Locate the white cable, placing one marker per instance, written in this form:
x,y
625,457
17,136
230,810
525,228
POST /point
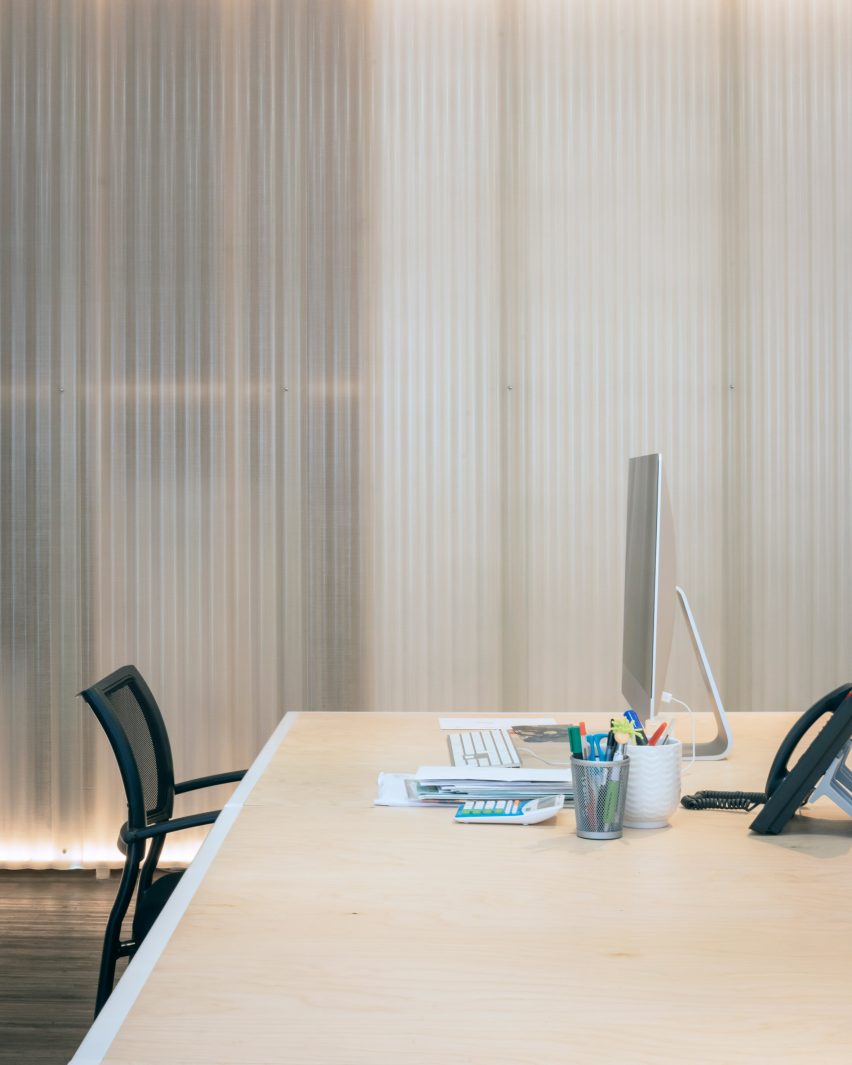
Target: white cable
x,y
667,697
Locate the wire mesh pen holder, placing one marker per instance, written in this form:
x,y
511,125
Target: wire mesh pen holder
x,y
600,789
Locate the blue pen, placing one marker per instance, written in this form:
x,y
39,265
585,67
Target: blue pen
x,y
639,731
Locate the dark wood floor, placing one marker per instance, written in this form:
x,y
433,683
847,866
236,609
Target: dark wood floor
x,y
51,926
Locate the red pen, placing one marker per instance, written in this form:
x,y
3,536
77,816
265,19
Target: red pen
x,y
658,735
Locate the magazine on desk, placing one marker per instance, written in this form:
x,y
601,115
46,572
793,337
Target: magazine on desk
x,y
542,746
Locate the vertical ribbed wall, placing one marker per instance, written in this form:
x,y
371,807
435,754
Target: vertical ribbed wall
x,y
789,610
613,334
327,329
436,376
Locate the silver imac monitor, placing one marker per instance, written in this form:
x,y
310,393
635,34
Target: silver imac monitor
x,y
650,591
649,586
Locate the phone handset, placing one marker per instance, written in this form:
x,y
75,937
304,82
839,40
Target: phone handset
x,y
788,789
778,771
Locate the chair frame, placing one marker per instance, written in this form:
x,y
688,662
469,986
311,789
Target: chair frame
x,y
143,830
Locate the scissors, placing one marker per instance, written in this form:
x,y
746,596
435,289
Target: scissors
x,y
597,746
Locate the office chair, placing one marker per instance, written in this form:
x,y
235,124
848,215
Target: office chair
x,y
129,714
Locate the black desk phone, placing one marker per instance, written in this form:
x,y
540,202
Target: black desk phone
x,y
788,789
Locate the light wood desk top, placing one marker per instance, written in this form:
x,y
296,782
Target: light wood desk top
x,y
331,931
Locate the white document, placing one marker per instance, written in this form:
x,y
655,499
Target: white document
x,y
392,791
446,784
492,722
510,776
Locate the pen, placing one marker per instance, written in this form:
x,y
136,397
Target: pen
x,y
611,744
638,730
660,735
610,803
584,745
622,730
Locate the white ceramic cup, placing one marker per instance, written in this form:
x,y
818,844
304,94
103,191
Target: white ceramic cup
x,y
653,790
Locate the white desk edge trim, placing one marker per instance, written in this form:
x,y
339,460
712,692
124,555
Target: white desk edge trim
x,y
100,1036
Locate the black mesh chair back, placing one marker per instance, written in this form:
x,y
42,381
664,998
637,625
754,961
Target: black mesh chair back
x,y
129,714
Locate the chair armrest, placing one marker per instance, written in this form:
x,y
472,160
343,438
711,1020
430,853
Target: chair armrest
x,y
162,828
209,782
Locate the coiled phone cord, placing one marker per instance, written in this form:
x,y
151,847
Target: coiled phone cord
x,y
723,800
714,800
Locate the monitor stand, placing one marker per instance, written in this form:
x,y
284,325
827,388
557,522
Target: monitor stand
x,y
721,746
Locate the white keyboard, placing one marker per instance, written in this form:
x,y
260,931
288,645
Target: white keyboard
x,y
488,747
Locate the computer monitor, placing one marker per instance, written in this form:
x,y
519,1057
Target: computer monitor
x,y
649,586
650,591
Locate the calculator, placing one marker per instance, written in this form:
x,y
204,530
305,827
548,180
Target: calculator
x,y
509,811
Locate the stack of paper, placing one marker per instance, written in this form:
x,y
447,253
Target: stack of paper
x,y
439,785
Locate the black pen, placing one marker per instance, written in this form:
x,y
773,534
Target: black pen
x,y
610,746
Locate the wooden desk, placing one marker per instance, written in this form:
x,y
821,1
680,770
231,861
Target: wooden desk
x,y
328,930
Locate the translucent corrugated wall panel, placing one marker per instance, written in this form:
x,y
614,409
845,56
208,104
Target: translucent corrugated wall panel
x,y
327,330
437,616
614,199
789,611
